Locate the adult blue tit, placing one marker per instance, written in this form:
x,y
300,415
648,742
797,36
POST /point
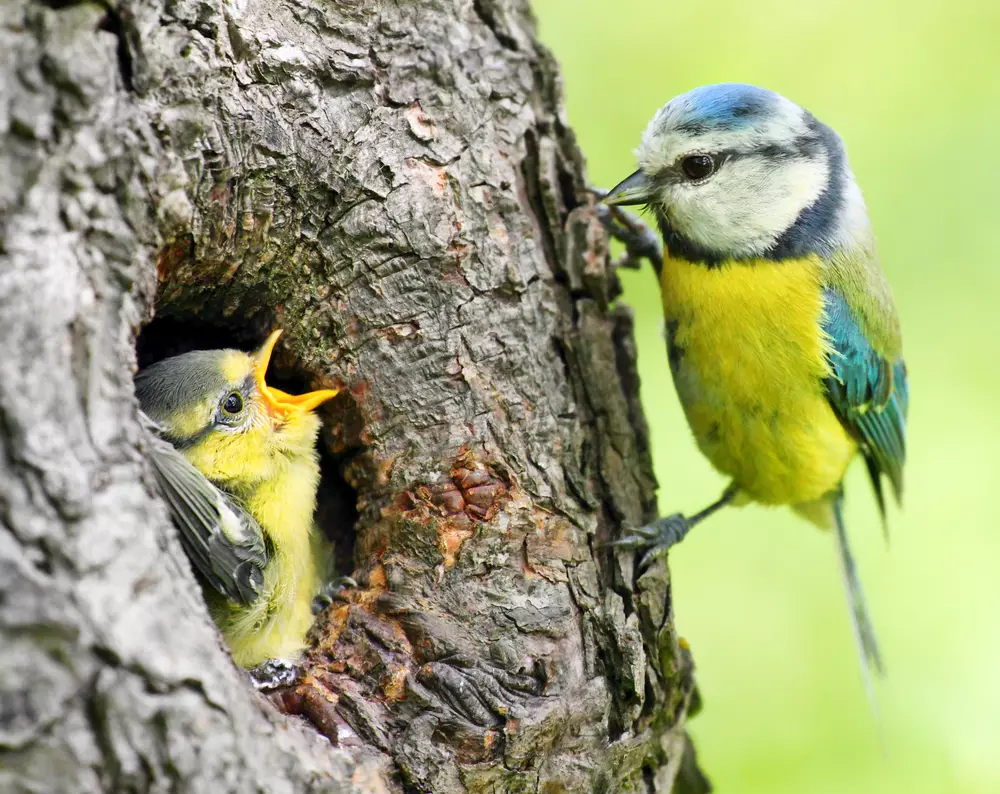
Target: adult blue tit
x,y
783,339
237,464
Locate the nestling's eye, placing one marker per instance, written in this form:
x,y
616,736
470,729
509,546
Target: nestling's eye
x,y
233,404
698,166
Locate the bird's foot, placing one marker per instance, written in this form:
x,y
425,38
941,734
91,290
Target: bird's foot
x,y
332,591
655,538
640,241
274,674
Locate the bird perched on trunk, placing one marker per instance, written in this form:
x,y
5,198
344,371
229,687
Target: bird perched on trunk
x,y
782,335
236,461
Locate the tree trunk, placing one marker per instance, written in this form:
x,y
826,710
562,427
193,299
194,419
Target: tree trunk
x,y
393,184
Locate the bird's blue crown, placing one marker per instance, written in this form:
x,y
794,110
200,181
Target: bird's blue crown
x,y
723,106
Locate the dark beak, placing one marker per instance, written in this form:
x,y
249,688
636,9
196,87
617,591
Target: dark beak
x,y
634,189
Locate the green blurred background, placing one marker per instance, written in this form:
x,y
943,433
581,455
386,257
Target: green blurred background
x,y
914,89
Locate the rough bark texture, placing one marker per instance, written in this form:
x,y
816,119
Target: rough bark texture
x,y
392,183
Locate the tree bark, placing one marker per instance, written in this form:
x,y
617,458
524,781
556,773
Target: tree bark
x,y
393,184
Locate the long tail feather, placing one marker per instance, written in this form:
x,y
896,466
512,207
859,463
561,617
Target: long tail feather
x,y
876,477
864,633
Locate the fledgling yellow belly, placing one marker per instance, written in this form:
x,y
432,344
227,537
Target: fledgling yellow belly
x,y
748,358
275,625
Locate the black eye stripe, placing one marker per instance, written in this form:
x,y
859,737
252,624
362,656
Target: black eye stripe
x,y
799,148
676,172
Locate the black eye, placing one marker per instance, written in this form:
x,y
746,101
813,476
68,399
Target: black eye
x,y
698,166
233,404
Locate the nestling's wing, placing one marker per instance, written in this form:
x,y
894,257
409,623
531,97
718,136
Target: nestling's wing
x,y
222,540
868,393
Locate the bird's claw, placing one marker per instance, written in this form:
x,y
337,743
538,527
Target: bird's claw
x,y
638,538
640,241
274,674
655,538
332,591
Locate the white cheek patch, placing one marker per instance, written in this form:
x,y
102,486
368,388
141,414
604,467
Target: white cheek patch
x,y
748,204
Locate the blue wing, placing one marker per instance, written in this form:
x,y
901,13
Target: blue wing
x,y
869,394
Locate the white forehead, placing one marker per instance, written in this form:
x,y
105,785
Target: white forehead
x,y
703,121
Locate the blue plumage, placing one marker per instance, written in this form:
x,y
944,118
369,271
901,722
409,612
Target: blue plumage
x,y
724,106
869,394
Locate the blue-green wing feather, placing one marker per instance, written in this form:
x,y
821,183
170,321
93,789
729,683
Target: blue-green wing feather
x,y
869,394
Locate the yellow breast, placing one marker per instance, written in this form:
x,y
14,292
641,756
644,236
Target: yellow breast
x,y
749,358
275,476
275,625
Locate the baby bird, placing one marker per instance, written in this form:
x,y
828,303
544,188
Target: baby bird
x,y
237,464
783,339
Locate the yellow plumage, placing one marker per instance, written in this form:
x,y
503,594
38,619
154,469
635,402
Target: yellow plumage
x,y
749,360
276,483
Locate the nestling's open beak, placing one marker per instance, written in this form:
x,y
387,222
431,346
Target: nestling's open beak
x,y
634,189
275,400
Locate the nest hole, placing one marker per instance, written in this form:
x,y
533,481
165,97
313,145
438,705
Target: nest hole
x,y
337,507
164,337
